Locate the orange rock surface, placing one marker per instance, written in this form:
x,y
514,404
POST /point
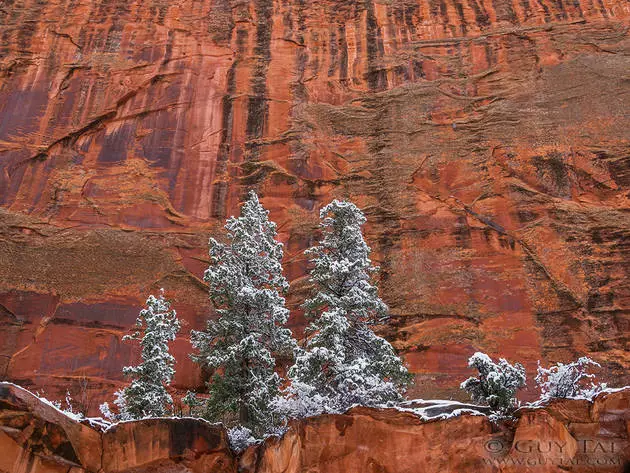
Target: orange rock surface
x,y
564,436
486,140
37,438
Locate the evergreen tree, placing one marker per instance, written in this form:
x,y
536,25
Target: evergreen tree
x,y
246,283
496,384
147,395
345,362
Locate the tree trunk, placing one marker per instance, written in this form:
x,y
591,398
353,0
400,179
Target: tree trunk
x,y
243,411
243,414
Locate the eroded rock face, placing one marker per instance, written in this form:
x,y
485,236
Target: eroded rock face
x,y
486,140
562,437
156,445
37,438
566,435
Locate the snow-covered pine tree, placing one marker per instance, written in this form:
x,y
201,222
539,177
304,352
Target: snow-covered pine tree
x,y
571,380
344,362
496,384
147,396
239,348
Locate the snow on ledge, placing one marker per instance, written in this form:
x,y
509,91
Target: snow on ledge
x,y
77,417
542,403
426,410
440,409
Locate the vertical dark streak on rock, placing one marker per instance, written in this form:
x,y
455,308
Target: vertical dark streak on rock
x,y
459,8
175,157
28,28
257,107
602,8
343,54
14,182
561,13
399,20
391,26
287,21
220,21
433,8
418,72
6,32
444,15
481,16
298,88
114,35
356,64
545,10
332,48
527,9
298,162
578,7
220,186
505,11
314,63
389,218
461,232
376,75
168,49
410,12
490,54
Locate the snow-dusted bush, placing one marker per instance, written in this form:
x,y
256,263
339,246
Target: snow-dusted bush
x,y
71,410
147,396
496,384
119,402
572,380
301,400
239,348
344,361
107,412
240,438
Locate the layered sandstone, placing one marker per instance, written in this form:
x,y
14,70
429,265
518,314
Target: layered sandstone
x,y
486,140
567,435
35,437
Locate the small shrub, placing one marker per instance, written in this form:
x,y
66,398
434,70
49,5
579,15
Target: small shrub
x,y
568,381
240,438
496,384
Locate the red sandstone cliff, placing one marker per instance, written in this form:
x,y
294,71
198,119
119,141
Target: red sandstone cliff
x,y
568,435
487,140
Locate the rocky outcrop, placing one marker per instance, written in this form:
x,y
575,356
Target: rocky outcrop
x,y
566,435
35,437
487,141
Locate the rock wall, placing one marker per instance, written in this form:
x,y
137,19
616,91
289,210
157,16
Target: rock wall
x,y
567,435
486,140
35,437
